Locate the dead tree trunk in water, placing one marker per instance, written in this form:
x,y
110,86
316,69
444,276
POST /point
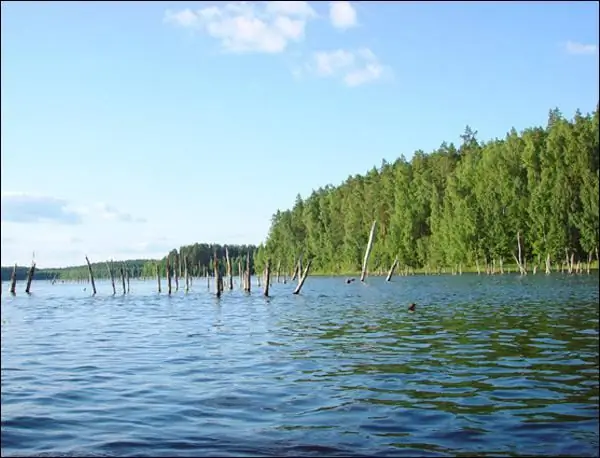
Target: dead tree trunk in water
x,y
187,277
91,275
217,273
229,269
278,270
297,269
267,277
157,278
520,258
177,271
477,266
112,277
548,264
303,278
127,276
30,277
240,274
123,278
589,263
391,272
368,251
168,269
248,278
13,281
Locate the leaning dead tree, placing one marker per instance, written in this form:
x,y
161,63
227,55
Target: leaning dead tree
x,y
91,274
303,278
391,272
30,277
368,251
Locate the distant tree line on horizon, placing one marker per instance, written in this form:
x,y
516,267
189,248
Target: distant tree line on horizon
x,y
454,207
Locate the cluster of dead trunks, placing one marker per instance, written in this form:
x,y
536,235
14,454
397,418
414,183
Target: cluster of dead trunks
x,y
219,280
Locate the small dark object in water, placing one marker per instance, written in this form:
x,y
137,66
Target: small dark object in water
x,y
412,307
350,280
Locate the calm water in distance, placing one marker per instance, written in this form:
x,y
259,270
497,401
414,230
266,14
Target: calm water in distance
x,y
501,365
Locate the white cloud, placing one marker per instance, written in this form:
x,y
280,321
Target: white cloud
x,y
573,47
342,15
27,208
244,27
352,67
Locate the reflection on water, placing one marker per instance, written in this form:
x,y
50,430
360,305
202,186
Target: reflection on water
x,y
487,365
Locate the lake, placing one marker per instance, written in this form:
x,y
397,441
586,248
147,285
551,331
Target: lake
x,y
500,365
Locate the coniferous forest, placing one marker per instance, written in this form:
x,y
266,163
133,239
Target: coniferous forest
x,y
530,198
457,208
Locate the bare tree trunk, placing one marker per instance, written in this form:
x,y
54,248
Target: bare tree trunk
x,y
90,272
217,276
123,278
589,262
248,278
30,277
520,258
501,265
391,272
548,264
303,278
157,279
229,269
240,274
168,266
267,277
278,270
187,277
368,251
112,276
477,266
177,270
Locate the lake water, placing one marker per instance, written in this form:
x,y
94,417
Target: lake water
x,y
499,365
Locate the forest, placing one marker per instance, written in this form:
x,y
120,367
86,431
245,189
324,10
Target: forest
x,y
530,198
457,207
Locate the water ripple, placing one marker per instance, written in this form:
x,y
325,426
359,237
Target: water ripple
x,y
503,366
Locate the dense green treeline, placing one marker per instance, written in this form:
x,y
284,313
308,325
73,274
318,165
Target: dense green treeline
x,y
199,258
462,206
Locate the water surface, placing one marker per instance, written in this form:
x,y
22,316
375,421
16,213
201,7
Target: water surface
x,y
499,365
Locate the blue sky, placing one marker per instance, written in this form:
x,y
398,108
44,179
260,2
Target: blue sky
x,y
130,128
